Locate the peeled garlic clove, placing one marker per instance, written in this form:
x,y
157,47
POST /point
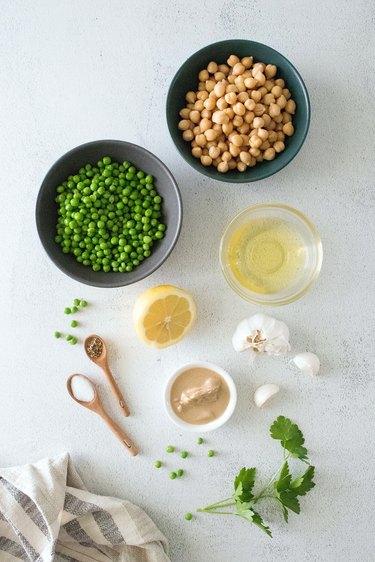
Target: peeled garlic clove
x,y
308,363
264,393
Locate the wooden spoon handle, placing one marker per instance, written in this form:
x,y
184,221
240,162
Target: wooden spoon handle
x,y
116,390
120,434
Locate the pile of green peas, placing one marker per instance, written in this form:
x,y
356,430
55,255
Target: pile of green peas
x,y
109,216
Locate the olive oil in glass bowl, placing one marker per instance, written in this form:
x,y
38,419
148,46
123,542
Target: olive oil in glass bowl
x,y
271,254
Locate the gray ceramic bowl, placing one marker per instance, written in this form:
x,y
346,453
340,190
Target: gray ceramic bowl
x,y
186,79
91,152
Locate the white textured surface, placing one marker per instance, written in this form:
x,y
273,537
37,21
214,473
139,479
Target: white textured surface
x,y
77,71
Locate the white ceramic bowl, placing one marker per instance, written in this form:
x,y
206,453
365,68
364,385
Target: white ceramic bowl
x,y
207,426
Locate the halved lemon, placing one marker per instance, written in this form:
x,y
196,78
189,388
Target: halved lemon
x,y
163,315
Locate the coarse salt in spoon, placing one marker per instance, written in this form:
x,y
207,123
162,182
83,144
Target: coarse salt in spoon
x,y
96,351
84,391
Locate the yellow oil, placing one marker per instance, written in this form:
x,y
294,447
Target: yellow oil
x,y
266,255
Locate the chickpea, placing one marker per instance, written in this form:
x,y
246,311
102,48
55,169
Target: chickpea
x,y
280,136
210,85
209,145
237,140
288,129
210,103
230,98
201,87
222,138
268,99
232,164
184,113
206,160
238,121
188,135
256,96
268,85
270,70
220,117
184,124
272,136
253,133
201,140
197,130
280,82
231,88
233,60
205,151
214,152
221,104
279,146
216,162
259,158
259,109
223,167
290,106
266,119
241,87
245,157
197,152
223,146
250,104
229,111
242,97
258,123
279,127
191,97
203,75
255,141
277,91
247,61
217,127
272,125
238,69
259,66
262,133
278,118
250,83
231,78
199,105
219,89
212,67
241,166
239,109
234,150
190,106
274,110
265,144
254,152
286,93
194,116
226,156
211,134
263,91
260,78
245,140
247,74
203,95
205,124
224,69
286,117
281,101
269,154
219,76
249,116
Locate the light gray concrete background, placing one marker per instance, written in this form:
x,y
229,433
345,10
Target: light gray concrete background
x,y
77,71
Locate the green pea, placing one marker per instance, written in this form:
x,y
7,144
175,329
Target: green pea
x,y
76,302
172,475
210,453
158,464
184,454
83,303
73,341
188,516
67,310
74,309
180,472
200,440
74,323
170,449
57,334
69,337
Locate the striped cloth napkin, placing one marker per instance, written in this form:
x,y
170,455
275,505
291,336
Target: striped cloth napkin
x,y
47,514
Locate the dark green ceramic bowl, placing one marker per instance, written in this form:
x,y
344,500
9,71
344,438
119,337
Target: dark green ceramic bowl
x,y
187,79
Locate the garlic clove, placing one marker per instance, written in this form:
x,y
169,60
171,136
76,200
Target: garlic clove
x,y
261,334
308,363
264,394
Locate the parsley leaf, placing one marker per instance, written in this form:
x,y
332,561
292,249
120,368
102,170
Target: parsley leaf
x,y
290,436
304,483
246,479
285,478
289,499
246,511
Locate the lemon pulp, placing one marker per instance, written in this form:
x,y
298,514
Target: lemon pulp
x,y
266,255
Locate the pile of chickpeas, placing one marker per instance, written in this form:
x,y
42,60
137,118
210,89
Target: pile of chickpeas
x,y
240,115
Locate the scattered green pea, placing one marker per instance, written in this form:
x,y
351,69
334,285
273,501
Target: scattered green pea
x,y
74,323
76,302
189,516
74,309
184,454
83,303
199,440
210,453
158,464
73,341
170,449
180,472
172,475
58,334
69,337
67,310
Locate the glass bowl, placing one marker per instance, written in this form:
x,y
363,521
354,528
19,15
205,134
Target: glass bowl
x,y
310,253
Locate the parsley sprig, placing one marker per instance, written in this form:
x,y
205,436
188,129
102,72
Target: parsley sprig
x,y
282,487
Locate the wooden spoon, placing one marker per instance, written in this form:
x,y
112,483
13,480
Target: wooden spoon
x,y
96,406
102,362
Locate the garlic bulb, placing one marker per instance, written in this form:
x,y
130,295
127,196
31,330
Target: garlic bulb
x,y
308,363
264,393
261,334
